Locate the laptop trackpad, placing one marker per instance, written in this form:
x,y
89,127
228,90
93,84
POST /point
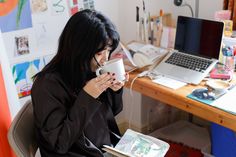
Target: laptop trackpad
x,y
182,74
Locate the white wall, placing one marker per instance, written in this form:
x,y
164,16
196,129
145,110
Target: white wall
x,y
127,10
111,9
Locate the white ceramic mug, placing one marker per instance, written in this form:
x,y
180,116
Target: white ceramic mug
x,y
113,66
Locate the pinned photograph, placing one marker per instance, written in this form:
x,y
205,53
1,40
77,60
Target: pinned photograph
x,y
38,6
22,45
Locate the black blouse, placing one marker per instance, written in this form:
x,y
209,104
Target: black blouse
x,y
73,125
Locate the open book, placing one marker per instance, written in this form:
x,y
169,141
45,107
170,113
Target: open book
x,y
134,144
141,55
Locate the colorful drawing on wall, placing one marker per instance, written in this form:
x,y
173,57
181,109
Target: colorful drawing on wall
x,y
38,6
21,45
75,6
23,73
15,15
78,5
5,120
43,38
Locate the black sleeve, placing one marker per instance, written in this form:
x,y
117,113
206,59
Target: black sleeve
x,y
116,101
60,122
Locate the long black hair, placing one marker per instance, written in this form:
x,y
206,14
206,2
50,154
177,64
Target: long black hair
x,y
86,33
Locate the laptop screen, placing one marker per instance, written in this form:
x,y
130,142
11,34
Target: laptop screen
x,y
199,36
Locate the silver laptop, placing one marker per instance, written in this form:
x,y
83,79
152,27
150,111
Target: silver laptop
x,y
197,48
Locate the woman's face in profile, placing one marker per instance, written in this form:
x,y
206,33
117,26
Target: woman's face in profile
x,y
101,57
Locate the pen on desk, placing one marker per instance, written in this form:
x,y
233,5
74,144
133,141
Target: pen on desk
x,y
137,24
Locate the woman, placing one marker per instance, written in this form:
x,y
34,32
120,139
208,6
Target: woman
x,y
73,108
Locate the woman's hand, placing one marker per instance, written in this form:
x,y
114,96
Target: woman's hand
x,y
96,86
118,85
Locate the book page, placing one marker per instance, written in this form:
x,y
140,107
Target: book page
x,y
135,144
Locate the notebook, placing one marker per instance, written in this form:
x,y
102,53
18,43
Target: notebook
x,y
197,48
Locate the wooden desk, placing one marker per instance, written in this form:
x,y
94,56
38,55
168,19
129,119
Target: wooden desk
x,y
178,99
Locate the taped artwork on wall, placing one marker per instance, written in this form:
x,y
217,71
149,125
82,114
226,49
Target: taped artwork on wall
x,y
58,7
38,6
15,15
23,73
78,5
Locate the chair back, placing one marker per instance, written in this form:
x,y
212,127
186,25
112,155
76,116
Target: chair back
x,y
21,134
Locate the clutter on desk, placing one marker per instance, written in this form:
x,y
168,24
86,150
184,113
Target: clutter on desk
x,y
224,16
218,84
228,56
228,53
214,89
220,71
223,99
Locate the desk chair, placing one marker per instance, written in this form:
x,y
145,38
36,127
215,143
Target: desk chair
x,y
21,133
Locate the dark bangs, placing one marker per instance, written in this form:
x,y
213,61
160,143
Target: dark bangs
x,y
108,36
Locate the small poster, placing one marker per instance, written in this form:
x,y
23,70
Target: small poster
x,y
23,73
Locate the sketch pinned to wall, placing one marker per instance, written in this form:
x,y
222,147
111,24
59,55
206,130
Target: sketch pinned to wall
x,y
78,5
23,73
38,6
42,36
22,45
58,7
15,15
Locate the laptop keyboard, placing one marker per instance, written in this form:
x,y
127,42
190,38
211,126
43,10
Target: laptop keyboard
x,y
189,62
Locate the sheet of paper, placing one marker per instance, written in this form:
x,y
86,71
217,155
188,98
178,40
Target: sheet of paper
x,y
128,54
227,102
135,46
168,82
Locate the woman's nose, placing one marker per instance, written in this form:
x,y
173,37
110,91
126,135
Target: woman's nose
x,y
105,55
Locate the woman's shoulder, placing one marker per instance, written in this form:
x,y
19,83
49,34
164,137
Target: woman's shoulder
x,y
47,80
48,77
